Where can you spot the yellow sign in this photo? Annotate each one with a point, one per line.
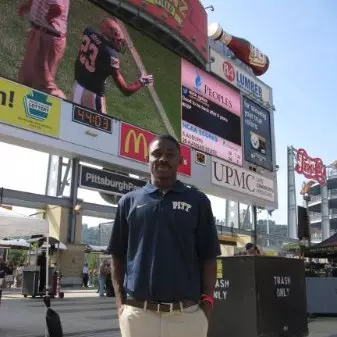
(29, 109)
(137, 140)
(219, 273)
(178, 9)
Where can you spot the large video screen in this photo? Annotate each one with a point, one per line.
(42, 51)
(211, 114)
(79, 51)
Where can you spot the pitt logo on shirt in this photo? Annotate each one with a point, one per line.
(181, 205)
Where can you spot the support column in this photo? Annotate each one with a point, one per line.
(292, 210)
(254, 211)
(325, 224)
(73, 197)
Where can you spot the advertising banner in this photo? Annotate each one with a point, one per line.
(89, 129)
(134, 143)
(29, 109)
(211, 115)
(311, 168)
(244, 181)
(239, 78)
(187, 18)
(257, 135)
(107, 182)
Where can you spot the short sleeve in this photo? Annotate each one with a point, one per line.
(119, 235)
(207, 237)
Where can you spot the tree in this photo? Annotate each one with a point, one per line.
(17, 256)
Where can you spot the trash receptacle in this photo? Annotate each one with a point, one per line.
(259, 296)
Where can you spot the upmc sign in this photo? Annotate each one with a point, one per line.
(134, 143)
(238, 77)
(187, 18)
(241, 180)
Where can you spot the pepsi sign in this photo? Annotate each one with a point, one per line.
(240, 78)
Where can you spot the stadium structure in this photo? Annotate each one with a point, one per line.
(322, 207)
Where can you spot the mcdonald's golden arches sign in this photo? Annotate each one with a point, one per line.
(134, 143)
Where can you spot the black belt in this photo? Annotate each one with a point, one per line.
(160, 306)
(46, 30)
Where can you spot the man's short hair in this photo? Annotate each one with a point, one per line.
(169, 138)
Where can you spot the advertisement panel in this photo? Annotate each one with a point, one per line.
(107, 182)
(81, 53)
(134, 143)
(240, 180)
(89, 129)
(29, 109)
(187, 18)
(211, 115)
(240, 78)
(311, 168)
(257, 135)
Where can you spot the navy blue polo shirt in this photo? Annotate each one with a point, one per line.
(164, 239)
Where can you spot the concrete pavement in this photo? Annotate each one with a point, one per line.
(84, 314)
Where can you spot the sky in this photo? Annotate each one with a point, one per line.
(299, 37)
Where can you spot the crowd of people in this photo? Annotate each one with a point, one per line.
(10, 274)
(100, 278)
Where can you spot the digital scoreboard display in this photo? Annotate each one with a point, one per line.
(92, 119)
(210, 115)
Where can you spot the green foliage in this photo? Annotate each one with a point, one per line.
(93, 261)
(17, 256)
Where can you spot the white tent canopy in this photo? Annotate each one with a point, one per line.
(17, 225)
(20, 243)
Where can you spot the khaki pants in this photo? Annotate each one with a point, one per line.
(40, 63)
(135, 322)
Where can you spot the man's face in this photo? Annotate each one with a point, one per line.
(164, 159)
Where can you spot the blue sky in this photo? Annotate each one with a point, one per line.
(300, 39)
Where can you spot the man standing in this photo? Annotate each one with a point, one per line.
(252, 249)
(85, 275)
(45, 45)
(164, 246)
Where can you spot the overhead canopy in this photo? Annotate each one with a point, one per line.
(20, 243)
(324, 249)
(95, 249)
(41, 240)
(16, 225)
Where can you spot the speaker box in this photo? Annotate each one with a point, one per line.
(303, 230)
(259, 296)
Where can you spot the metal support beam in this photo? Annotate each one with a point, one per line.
(40, 201)
(63, 180)
(325, 212)
(57, 176)
(292, 207)
(254, 211)
(73, 197)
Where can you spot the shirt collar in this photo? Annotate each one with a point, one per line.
(177, 187)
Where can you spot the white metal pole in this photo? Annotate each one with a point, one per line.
(47, 265)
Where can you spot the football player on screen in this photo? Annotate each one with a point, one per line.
(98, 59)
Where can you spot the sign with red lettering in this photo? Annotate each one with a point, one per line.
(134, 144)
(187, 18)
(311, 168)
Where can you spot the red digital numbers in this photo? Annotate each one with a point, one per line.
(92, 119)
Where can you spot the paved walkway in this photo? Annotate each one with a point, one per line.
(84, 314)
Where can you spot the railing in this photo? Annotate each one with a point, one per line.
(315, 198)
(333, 193)
(314, 216)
